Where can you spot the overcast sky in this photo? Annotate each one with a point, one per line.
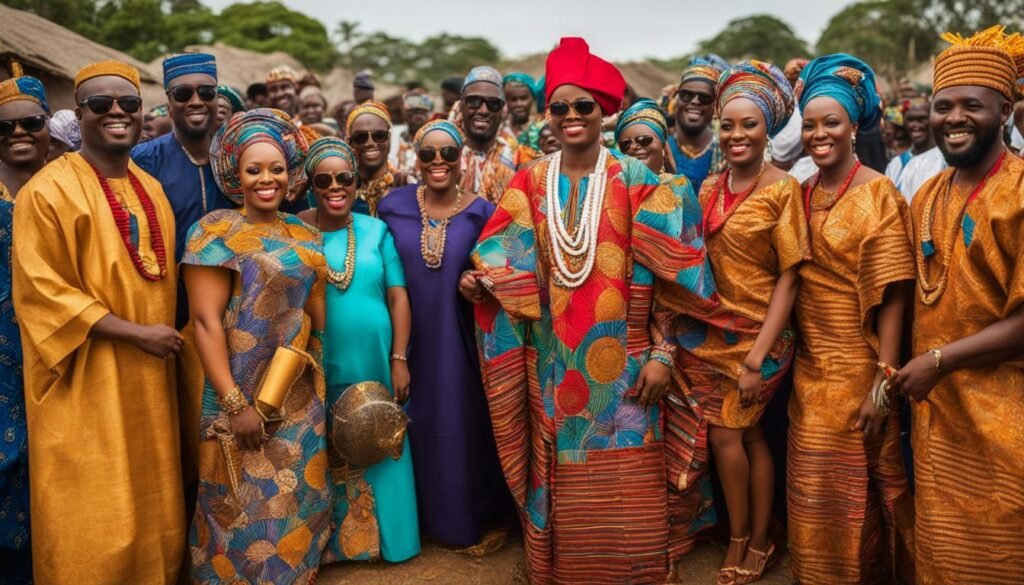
(617, 29)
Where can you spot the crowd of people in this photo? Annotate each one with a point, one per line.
(585, 300)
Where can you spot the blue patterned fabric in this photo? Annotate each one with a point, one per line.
(187, 64)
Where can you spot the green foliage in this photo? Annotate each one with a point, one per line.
(396, 60)
(968, 16)
(761, 36)
(888, 34)
(270, 26)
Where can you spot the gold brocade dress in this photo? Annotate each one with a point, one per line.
(968, 435)
(845, 493)
(104, 460)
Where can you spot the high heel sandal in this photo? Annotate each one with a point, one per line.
(766, 559)
(727, 575)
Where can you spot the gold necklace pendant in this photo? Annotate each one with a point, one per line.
(433, 237)
(343, 278)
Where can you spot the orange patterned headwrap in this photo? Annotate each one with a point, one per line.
(104, 68)
(373, 108)
(990, 58)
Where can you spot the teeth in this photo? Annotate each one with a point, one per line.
(957, 134)
(21, 146)
(825, 148)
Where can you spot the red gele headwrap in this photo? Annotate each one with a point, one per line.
(572, 64)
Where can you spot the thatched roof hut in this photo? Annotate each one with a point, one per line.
(54, 54)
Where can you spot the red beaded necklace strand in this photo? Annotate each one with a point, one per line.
(123, 222)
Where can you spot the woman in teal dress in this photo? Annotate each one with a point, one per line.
(368, 324)
(255, 278)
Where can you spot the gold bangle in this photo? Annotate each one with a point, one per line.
(399, 357)
(938, 358)
(234, 403)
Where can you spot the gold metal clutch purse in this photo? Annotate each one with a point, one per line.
(285, 368)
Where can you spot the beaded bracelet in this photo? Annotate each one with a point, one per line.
(664, 353)
(234, 403)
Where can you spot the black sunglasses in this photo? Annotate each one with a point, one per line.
(101, 104)
(473, 102)
(582, 107)
(183, 93)
(29, 124)
(686, 96)
(379, 136)
(325, 180)
(448, 152)
(643, 141)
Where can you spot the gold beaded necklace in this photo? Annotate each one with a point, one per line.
(342, 279)
(432, 237)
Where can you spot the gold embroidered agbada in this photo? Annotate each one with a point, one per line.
(102, 415)
(846, 493)
(968, 436)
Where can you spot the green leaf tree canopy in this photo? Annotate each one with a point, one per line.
(760, 36)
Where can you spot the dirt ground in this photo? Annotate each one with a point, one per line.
(438, 565)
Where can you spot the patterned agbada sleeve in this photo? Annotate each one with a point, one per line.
(886, 253)
(790, 238)
(507, 253)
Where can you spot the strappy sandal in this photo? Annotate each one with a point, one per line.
(727, 575)
(766, 559)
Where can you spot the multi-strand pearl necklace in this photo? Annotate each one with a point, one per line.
(582, 244)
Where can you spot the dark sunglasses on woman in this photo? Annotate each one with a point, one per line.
(582, 107)
(325, 180)
(183, 93)
(643, 141)
(29, 124)
(360, 138)
(686, 96)
(473, 102)
(101, 104)
(448, 152)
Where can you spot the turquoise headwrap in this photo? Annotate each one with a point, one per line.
(234, 98)
(643, 111)
(527, 81)
(438, 126)
(24, 88)
(847, 80)
(762, 83)
(325, 148)
(248, 128)
(188, 64)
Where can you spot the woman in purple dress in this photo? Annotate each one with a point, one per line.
(435, 226)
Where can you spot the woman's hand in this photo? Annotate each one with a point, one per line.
(247, 427)
(652, 383)
(400, 380)
(470, 286)
(750, 386)
(870, 419)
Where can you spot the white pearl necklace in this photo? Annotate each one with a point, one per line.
(584, 243)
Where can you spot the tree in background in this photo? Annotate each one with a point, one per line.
(396, 60)
(270, 26)
(761, 36)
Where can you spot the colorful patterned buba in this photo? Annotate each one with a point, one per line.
(263, 516)
(584, 461)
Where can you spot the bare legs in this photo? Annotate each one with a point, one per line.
(745, 468)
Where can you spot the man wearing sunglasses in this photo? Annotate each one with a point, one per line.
(488, 160)
(694, 146)
(94, 289)
(180, 160)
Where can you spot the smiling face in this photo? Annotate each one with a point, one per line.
(372, 155)
(742, 133)
(24, 149)
(520, 103)
(652, 155)
(264, 179)
(967, 122)
(116, 131)
(194, 119)
(827, 133)
(283, 95)
(439, 174)
(548, 142)
(481, 125)
(311, 109)
(335, 201)
(223, 110)
(916, 121)
(693, 117)
(575, 131)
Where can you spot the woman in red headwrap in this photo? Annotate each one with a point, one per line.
(570, 272)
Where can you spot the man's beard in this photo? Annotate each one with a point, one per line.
(691, 130)
(974, 155)
(482, 137)
(194, 134)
